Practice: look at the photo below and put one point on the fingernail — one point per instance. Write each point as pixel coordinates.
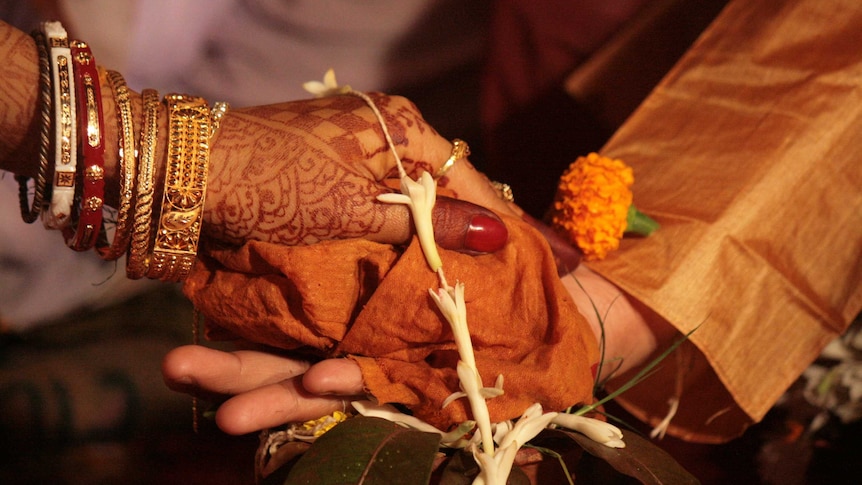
(485, 234)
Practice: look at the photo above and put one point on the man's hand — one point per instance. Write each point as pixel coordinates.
(264, 390)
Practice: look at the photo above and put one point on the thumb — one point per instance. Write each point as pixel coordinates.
(458, 225)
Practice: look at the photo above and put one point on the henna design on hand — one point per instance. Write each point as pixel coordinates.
(306, 171)
(18, 92)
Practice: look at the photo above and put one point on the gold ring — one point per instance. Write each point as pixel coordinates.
(460, 149)
(504, 191)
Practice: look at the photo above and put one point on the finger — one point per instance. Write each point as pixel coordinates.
(274, 405)
(334, 377)
(468, 228)
(567, 256)
(470, 184)
(198, 370)
(460, 176)
(458, 225)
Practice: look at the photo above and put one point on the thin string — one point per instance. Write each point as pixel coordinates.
(195, 341)
(401, 172)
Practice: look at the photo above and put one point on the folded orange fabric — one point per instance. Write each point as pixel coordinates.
(370, 302)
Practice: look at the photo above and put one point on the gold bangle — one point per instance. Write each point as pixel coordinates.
(128, 168)
(138, 261)
(176, 242)
(460, 149)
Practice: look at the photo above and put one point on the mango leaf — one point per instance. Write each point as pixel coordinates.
(460, 469)
(274, 471)
(640, 459)
(367, 451)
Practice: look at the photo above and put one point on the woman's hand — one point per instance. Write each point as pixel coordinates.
(291, 173)
(264, 390)
(310, 170)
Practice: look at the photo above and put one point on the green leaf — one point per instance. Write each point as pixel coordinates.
(640, 459)
(367, 451)
(460, 469)
(274, 471)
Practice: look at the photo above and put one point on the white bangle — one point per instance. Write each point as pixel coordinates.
(59, 211)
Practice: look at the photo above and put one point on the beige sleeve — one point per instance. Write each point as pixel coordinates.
(749, 154)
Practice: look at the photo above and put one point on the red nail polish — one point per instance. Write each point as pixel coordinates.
(485, 234)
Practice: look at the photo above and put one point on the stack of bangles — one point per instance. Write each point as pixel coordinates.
(68, 190)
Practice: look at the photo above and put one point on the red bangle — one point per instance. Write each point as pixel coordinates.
(91, 167)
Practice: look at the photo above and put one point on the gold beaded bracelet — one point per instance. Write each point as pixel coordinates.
(128, 169)
(138, 262)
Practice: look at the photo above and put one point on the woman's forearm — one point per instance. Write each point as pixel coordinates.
(19, 107)
(293, 173)
(19, 86)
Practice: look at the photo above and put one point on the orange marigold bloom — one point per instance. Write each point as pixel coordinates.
(592, 202)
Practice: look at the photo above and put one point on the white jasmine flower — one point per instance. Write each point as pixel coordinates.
(487, 392)
(531, 423)
(329, 86)
(452, 439)
(471, 382)
(598, 431)
(496, 469)
(500, 430)
(453, 307)
(420, 196)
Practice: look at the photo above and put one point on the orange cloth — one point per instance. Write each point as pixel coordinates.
(749, 155)
(370, 302)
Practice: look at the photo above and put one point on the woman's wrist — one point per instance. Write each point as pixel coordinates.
(19, 124)
(19, 91)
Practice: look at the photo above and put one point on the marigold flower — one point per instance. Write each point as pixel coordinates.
(593, 204)
(316, 427)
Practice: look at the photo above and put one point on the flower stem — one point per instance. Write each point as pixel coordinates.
(639, 223)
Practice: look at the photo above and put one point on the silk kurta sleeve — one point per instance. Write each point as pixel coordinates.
(749, 155)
